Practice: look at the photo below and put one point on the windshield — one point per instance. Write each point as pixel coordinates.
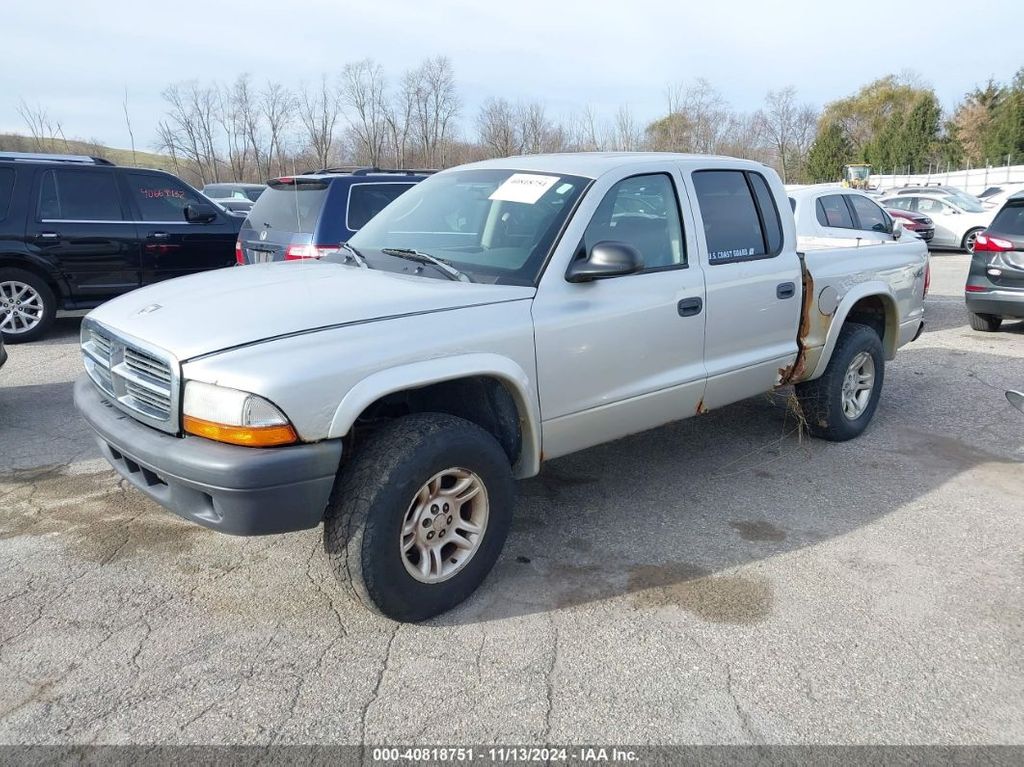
(968, 202)
(495, 225)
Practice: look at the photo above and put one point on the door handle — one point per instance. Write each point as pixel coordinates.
(688, 307)
(785, 290)
(49, 235)
(158, 235)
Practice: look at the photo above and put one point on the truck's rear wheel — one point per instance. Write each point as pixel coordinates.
(839, 405)
(418, 518)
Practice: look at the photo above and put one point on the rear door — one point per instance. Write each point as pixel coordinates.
(753, 284)
(171, 246)
(80, 222)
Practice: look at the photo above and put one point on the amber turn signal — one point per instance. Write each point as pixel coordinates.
(248, 436)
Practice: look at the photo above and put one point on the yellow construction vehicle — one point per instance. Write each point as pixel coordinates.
(856, 176)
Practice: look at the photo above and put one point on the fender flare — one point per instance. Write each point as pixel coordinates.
(874, 288)
(419, 374)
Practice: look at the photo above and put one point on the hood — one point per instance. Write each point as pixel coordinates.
(204, 313)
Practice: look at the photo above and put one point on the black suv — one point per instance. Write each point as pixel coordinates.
(995, 282)
(312, 214)
(76, 231)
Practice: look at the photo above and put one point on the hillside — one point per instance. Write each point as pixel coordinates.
(14, 143)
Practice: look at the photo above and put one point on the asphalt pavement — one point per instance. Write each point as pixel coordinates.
(720, 580)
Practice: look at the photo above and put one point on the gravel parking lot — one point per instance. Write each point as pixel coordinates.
(720, 580)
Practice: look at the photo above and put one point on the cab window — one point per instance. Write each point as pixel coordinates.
(833, 212)
(869, 215)
(641, 211)
(159, 197)
(75, 195)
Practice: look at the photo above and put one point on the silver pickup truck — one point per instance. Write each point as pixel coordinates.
(497, 315)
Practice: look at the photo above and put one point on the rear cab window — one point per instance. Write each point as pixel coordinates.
(290, 205)
(741, 220)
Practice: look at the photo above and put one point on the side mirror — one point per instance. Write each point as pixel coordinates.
(200, 213)
(897, 228)
(606, 259)
(1016, 399)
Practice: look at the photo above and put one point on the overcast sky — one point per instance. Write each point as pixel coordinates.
(76, 57)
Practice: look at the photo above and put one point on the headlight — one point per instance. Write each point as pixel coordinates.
(233, 416)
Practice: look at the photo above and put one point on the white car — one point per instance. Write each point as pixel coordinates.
(995, 196)
(958, 221)
(830, 213)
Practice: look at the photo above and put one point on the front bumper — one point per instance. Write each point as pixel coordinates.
(236, 490)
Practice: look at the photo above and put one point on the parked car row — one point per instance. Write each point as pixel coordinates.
(76, 231)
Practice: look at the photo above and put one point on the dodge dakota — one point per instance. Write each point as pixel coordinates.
(495, 316)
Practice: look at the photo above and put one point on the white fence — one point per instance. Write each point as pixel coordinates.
(974, 180)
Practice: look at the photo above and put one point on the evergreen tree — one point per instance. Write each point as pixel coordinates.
(830, 151)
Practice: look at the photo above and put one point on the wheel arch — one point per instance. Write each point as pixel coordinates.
(871, 304)
(39, 268)
(490, 390)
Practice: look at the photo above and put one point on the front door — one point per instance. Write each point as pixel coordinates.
(620, 355)
(943, 215)
(79, 223)
(171, 246)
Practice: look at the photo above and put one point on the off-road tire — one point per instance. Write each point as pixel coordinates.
(38, 284)
(373, 492)
(821, 399)
(987, 323)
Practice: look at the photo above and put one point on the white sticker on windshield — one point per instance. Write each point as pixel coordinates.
(524, 187)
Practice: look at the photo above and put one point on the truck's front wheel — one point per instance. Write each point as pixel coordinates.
(418, 518)
(839, 405)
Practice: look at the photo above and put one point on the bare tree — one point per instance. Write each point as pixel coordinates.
(435, 108)
(232, 117)
(498, 128)
(319, 112)
(244, 102)
(708, 114)
(43, 128)
(627, 131)
(788, 128)
(538, 133)
(188, 129)
(398, 111)
(128, 123)
(278, 104)
(362, 91)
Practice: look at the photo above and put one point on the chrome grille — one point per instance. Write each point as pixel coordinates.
(145, 365)
(142, 382)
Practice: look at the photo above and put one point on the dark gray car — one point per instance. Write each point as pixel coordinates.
(995, 283)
